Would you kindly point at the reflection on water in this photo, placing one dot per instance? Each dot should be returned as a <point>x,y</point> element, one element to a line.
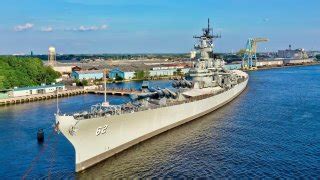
<point>270,130</point>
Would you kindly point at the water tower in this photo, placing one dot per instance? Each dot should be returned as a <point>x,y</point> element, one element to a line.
<point>52,55</point>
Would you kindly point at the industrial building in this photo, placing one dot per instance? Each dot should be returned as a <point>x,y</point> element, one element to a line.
<point>62,69</point>
<point>292,53</point>
<point>265,63</point>
<point>297,61</point>
<point>155,71</point>
<point>4,94</point>
<point>114,73</point>
<point>90,74</point>
<point>282,62</point>
<point>43,89</point>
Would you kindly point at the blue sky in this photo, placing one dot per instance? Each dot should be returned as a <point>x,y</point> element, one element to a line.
<point>154,26</point>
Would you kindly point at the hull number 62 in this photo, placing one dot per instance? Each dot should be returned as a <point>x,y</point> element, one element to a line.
<point>101,130</point>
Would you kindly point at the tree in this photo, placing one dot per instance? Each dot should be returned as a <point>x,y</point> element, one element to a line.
<point>84,82</point>
<point>24,71</point>
<point>146,74</point>
<point>139,74</point>
<point>318,57</point>
<point>2,81</point>
<point>179,72</point>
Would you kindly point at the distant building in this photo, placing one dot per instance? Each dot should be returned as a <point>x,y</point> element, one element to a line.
<point>292,54</point>
<point>62,69</point>
<point>155,71</point>
<point>266,63</point>
<point>297,61</point>
<point>93,74</point>
<point>4,94</point>
<point>114,73</point>
<point>26,91</point>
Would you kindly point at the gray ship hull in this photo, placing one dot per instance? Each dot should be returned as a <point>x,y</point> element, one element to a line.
<point>99,138</point>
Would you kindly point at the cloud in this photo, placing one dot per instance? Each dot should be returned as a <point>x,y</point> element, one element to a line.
<point>104,27</point>
<point>266,19</point>
<point>23,27</point>
<point>46,29</point>
<point>84,28</point>
<point>89,28</point>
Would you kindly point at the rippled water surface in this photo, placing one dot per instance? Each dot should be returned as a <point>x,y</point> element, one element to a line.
<point>271,130</point>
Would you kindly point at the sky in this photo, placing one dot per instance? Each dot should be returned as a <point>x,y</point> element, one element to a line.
<point>154,26</point>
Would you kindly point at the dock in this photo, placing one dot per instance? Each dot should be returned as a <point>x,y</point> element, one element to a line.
<point>67,93</point>
<point>38,97</point>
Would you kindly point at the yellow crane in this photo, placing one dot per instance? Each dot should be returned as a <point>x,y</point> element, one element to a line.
<point>251,53</point>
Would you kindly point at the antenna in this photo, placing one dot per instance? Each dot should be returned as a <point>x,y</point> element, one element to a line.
<point>208,33</point>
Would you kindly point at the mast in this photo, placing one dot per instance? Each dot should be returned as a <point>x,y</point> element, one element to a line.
<point>105,85</point>
<point>58,110</point>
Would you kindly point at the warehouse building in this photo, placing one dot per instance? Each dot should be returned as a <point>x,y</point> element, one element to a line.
<point>297,61</point>
<point>90,74</point>
<point>266,63</point>
<point>43,89</point>
<point>156,71</point>
<point>114,73</point>
<point>4,94</point>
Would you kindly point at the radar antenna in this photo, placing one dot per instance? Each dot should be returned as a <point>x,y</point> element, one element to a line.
<point>208,33</point>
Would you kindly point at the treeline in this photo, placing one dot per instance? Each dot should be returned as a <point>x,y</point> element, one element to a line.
<point>78,57</point>
<point>23,71</point>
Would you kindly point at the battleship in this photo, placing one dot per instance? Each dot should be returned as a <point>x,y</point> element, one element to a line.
<point>105,129</point>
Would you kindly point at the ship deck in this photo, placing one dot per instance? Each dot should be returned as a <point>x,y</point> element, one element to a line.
<point>189,96</point>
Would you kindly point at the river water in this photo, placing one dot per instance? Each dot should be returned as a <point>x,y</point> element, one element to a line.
<point>271,130</point>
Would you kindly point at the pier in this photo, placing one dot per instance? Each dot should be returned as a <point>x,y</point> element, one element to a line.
<point>66,93</point>
<point>38,97</point>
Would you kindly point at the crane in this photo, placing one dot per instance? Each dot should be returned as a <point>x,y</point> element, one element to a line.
<point>251,52</point>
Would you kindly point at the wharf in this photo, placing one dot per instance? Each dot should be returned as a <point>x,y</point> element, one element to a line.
<point>38,97</point>
<point>66,93</point>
